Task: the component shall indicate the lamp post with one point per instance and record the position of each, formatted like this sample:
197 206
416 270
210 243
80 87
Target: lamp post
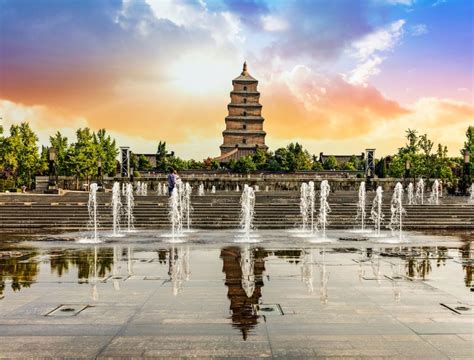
52 168
466 171
99 172
407 169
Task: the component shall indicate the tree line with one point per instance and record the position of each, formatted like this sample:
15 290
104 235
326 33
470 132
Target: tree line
21 158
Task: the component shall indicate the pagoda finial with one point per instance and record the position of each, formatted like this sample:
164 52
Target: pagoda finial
244 69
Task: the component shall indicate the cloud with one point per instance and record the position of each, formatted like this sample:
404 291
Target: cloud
439 2
418 30
368 49
273 23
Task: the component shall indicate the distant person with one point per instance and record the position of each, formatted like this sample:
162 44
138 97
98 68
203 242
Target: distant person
173 177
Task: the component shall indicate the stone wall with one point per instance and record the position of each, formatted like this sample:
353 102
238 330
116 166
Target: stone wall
339 181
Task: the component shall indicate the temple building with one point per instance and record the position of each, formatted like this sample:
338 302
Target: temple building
244 133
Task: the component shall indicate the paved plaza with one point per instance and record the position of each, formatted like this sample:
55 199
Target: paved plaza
210 300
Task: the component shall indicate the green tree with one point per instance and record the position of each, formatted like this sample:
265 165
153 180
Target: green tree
161 156
21 155
260 159
244 165
330 163
82 155
469 146
60 144
143 163
106 150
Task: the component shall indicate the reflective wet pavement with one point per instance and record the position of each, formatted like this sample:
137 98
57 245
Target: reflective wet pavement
209 297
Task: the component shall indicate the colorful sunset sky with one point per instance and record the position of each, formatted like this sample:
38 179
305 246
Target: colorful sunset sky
335 75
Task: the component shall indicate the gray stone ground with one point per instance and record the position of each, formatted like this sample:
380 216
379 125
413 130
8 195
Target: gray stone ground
360 313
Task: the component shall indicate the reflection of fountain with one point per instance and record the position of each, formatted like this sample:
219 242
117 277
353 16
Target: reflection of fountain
178 271
307 269
323 283
92 208
375 265
247 203
129 207
95 291
397 210
376 213
116 208
247 267
434 196
201 189
410 194
361 206
420 191
324 208
244 317
116 268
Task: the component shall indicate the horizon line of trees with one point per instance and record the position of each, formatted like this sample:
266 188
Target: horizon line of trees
21 158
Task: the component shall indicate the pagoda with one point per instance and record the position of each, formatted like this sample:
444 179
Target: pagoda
244 133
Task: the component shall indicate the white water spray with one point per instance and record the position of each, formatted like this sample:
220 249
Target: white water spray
116 208
92 208
410 194
324 208
248 275
471 195
175 213
130 204
247 203
304 206
397 210
434 196
213 189
420 192
201 189
361 206
376 213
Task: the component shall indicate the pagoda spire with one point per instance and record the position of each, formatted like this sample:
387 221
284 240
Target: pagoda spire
244 69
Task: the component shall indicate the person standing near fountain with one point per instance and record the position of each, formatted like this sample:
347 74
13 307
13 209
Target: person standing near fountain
172 178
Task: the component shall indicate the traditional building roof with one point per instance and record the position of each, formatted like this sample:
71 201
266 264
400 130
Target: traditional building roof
244 75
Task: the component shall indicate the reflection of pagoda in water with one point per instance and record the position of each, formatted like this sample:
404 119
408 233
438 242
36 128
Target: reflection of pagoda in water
243 277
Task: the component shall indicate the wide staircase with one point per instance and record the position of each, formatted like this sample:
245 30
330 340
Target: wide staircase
273 210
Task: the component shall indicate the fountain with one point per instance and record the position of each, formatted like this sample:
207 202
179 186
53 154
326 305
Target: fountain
248 275
257 188
434 196
471 195
116 208
213 189
186 205
361 206
304 206
376 213
129 202
410 194
165 189
324 208
175 214
159 190
266 188
420 191
397 210
124 188
237 189
138 190
201 189
144 190
311 201
247 202
92 208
